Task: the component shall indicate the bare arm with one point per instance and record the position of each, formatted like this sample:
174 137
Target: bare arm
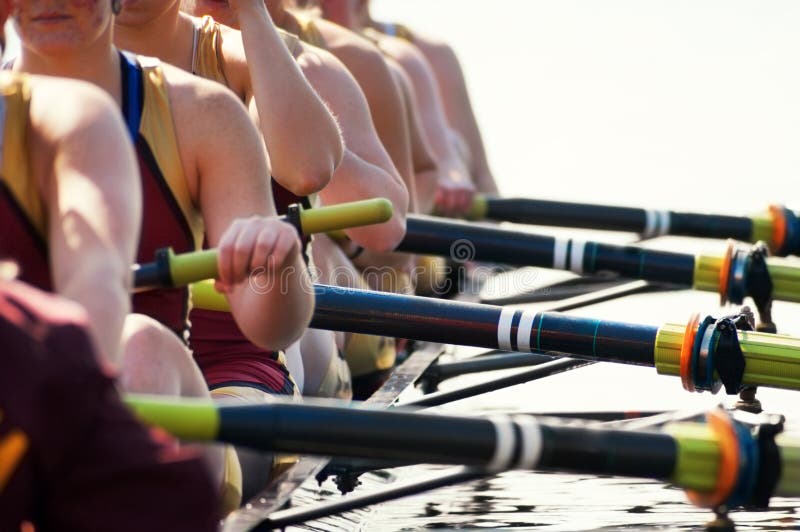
426 170
383 93
366 170
302 137
458 107
455 187
261 269
95 207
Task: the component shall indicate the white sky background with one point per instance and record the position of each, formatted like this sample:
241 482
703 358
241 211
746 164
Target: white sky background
649 102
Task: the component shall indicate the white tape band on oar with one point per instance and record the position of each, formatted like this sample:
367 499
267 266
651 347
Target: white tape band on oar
560 250
650 224
657 223
531 444
576 258
524 331
664 222
504 329
504 443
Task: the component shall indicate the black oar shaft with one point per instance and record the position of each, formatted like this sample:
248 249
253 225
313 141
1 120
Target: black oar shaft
482 326
613 218
462 241
326 431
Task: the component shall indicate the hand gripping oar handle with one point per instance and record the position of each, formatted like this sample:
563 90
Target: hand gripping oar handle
721 461
170 269
778 226
761 359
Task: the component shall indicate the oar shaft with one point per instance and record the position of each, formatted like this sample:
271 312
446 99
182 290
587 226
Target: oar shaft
479 325
647 222
691 455
770 360
463 241
434 236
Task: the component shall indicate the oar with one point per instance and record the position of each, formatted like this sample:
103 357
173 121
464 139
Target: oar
778 226
179 270
721 460
734 275
705 354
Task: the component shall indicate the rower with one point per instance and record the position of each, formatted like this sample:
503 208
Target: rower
286 108
455 192
452 89
55 398
441 181
203 168
367 171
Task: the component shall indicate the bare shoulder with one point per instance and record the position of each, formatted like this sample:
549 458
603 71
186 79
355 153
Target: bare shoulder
198 102
437 51
82 109
362 57
322 68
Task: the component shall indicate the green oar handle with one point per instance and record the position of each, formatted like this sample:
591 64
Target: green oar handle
770 359
170 269
785 275
185 418
479 209
346 215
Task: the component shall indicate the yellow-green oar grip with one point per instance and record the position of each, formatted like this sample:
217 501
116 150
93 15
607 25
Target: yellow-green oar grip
189 419
770 359
188 267
479 209
344 215
204 296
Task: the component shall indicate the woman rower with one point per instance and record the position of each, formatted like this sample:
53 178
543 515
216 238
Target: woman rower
454 196
286 108
450 80
202 167
367 171
69 217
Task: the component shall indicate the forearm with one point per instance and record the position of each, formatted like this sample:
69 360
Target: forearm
273 309
288 109
107 303
357 179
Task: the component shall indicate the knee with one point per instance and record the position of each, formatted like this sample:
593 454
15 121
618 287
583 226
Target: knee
153 358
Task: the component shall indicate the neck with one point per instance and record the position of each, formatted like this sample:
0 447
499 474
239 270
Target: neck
97 64
168 37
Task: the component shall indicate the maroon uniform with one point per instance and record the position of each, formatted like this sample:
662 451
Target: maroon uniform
225 356
72 457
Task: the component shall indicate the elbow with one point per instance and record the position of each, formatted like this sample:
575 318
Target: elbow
310 181
314 175
382 238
